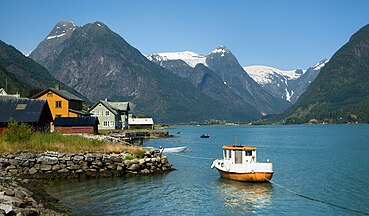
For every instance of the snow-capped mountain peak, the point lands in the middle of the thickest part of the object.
(221, 49)
(287, 84)
(191, 58)
(61, 29)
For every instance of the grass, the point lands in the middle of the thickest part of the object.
(40, 142)
(19, 137)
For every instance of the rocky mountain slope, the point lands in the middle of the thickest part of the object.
(229, 82)
(340, 93)
(289, 85)
(100, 64)
(21, 74)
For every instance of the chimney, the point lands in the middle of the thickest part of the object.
(57, 86)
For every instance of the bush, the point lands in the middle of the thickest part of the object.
(17, 132)
(129, 157)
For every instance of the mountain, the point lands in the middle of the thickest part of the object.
(226, 81)
(100, 64)
(222, 61)
(340, 93)
(288, 85)
(21, 74)
(208, 82)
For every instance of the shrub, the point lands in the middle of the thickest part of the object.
(129, 157)
(17, 132)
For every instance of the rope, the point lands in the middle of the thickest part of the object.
(289, 190)
(316, 200)
(182, 155)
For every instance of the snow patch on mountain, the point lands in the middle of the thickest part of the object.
(320, 65)
(191, 58)
(62, 29)
(265, 74)
(56, 36)
(221, 49)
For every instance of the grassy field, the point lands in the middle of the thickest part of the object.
(19, 137)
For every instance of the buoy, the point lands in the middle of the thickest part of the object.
(190, 150)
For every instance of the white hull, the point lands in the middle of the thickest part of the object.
(252, 171)
(174, 149)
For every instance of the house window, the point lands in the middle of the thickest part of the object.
(107, 113)
(58, 104)
(238, 157)
(111, 124)
(106, 124)
(49, 94)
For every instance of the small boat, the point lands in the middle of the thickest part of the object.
(174, 149)
(205, 136)
(239, 163)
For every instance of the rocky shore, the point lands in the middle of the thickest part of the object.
(20, 172)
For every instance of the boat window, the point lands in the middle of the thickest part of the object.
(225, 154)
(229, 154)
(238, 157)
(248, 153)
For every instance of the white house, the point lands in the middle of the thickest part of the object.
(139, 123)
(4, 95)
(111, 115)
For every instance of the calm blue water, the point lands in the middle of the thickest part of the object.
(329, 163)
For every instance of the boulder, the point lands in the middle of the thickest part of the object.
(32, 171)
(47, 160)
(9, 192)
(70, 163)
(134, 167)
(78, 158)
(14, 162)
(73, 167)
(56, 167)
(45, 167)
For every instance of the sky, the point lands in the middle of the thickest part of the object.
(286, 34)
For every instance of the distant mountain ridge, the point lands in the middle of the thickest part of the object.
(289, 85)
(237, 87)
(101, 64)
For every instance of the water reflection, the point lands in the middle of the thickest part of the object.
(241, 197)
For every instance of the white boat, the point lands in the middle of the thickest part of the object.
(239, 163)
(174, 149)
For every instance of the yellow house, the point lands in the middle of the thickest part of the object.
(62, 103)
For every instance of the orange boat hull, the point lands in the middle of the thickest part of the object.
(248, 177)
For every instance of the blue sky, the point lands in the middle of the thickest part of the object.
(282, 34)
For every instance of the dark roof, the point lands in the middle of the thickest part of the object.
(80, 112)
(76, 121)
(114, 107)
(63, 93)
(22, 110)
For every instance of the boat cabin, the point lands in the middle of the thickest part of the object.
(239, 154)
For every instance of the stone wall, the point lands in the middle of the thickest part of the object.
(54, 165)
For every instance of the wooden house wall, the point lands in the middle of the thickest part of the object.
(75, 129)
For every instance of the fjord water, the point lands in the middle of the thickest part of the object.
(328, 164)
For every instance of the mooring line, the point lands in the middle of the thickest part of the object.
(188, 156)
(281, 186)
(316, 200)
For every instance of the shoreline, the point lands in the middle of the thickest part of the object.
(23, 176)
